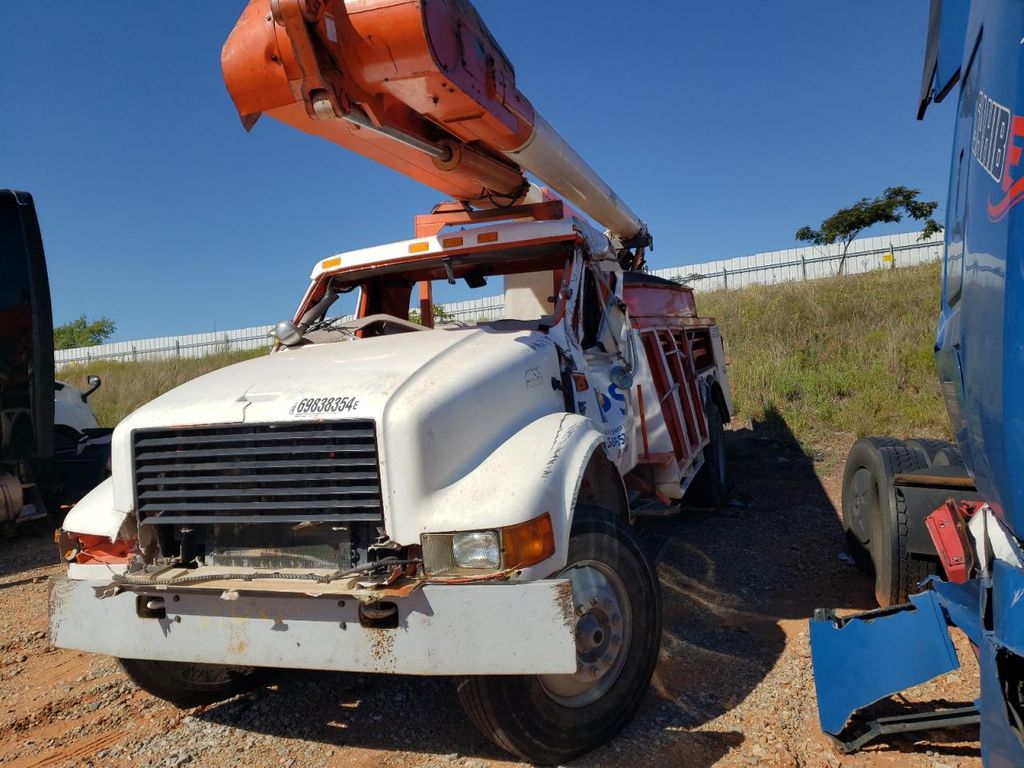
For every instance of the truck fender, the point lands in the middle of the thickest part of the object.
(95, 515)
(538, 469)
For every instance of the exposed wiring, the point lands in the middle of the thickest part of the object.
(145, 581)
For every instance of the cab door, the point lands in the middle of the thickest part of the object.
(609, 405)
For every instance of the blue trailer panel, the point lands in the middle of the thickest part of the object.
(976, 51)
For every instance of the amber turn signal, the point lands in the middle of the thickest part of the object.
(528, 543)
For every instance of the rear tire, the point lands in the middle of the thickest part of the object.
(711, 486)
(187, 685)
(876, 523)
(937, 453)
(551, 719)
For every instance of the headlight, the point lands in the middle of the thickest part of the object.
(515, 546)
(476, 549)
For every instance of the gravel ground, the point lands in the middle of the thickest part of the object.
(733, 686)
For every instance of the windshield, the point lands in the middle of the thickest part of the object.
(523, 287)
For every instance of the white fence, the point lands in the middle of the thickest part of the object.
(794, 264)
(190, 345)
(811, 263)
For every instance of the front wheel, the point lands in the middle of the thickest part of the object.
(191, 684)
(554, 718)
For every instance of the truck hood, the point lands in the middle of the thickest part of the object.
(364, 373)
(438, 397)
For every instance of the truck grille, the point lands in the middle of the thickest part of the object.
(258, 473)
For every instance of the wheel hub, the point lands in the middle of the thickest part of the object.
(863, 500)
(602, 635)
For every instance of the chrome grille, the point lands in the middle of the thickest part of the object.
(258, 473)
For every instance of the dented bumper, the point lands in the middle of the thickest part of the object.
(469, 629)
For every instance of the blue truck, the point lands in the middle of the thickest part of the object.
(939, 525)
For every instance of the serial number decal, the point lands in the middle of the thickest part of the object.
(615, 438)
(318, 405)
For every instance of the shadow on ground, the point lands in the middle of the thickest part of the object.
(729, 577)
(30, 547)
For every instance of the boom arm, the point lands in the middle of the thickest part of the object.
(420, 86)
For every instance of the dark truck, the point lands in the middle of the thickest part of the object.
(37, 479)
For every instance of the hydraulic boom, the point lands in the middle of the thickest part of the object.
(420, 86)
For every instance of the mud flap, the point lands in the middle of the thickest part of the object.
(862, 658)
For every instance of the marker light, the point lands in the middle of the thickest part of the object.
(528, 543)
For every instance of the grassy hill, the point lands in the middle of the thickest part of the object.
(126, 386)
(850, 354)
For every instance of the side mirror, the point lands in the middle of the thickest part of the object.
(94, 384)
(618, 324)
(287, 333)
(621, 377)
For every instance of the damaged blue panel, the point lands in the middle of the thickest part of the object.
(868, 658)
(1008, 606)
(962, 604)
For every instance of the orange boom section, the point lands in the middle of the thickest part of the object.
(421, 87)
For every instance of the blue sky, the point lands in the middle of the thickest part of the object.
(726, 125)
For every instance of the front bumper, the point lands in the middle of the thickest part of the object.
(471, 629)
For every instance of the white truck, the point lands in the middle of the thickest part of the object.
(378, 495)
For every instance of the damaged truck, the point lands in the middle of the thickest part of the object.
(378, 495)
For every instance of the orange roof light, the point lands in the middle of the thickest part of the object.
(487, 237)
(421, 247)
(334, 261)
(451, 242)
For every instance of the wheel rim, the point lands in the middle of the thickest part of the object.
(603, 631)
(864, 499)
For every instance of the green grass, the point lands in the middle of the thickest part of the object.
(128, 385)
(849, 354)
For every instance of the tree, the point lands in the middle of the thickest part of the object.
(83, 333)
(890, 207)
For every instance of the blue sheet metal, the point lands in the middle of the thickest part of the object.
(872, 657)
(1008, 606)
(962, 604)
(1000, 745)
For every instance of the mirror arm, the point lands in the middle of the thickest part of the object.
(95, 382)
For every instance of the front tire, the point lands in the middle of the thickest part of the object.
(187, 685)
(551, 719)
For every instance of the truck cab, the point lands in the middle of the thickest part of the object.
(447, 500)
